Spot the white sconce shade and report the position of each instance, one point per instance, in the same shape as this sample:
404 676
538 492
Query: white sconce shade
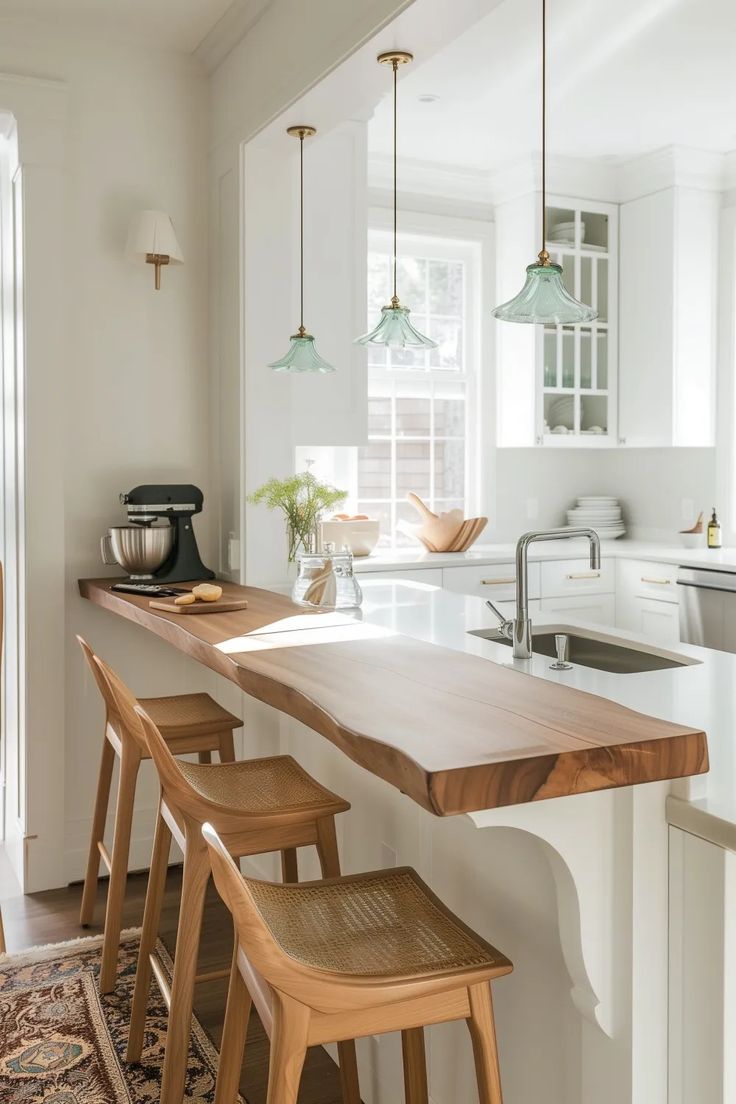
151 238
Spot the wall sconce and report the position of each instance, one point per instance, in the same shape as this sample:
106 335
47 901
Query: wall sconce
151 238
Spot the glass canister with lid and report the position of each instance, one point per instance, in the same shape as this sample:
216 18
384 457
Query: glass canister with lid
326 580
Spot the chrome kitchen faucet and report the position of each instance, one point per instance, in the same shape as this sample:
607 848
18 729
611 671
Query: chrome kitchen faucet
519 630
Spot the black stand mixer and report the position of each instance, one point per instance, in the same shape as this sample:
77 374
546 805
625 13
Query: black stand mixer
178 503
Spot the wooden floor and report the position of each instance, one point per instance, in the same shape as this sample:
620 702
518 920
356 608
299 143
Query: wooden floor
53 916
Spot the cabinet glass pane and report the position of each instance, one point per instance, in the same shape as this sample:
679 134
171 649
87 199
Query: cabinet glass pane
596 229
550 358
602 303
586 359
602 366
594 414
568 273
586 280
560 225
559 413
568 358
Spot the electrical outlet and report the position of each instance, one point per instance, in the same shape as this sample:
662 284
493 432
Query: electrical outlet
532 509
233 552
687 510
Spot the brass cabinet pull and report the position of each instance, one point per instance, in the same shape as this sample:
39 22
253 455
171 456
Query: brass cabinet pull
656 582
497 582
584 575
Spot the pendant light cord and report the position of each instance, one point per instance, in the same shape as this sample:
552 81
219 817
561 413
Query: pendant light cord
302 331
395 299
544 255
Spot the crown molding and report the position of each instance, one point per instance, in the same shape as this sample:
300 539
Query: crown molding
428 178
602 179
671 167
228 32
461 209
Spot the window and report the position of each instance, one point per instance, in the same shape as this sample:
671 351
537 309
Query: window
420 402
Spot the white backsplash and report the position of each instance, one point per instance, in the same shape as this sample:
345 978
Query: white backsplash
534 487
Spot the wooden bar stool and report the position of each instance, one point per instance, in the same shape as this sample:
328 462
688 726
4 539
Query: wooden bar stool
258 806
347 957
188 723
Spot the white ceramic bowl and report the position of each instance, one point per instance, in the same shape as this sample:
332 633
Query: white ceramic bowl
361 536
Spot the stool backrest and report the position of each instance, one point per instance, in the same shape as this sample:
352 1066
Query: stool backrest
125 726
178 791
254 935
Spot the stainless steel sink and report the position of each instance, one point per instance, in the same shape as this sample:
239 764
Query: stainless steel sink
596 652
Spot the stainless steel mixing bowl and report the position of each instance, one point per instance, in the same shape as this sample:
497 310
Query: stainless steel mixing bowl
138 549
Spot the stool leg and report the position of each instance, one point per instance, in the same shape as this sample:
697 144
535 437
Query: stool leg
483 1033
288 1050
233 1036
205 756
129 763
193 890
149 933
289 865
3 948
415 1066
102 800
329 858
227 746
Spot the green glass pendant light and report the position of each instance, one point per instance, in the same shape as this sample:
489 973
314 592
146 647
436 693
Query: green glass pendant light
544 298
302 355
395 330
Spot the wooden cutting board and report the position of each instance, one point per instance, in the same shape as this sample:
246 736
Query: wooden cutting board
222 605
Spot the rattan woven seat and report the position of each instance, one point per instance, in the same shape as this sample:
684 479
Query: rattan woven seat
190 723
382 924
258 806
189 714
347 957
261 786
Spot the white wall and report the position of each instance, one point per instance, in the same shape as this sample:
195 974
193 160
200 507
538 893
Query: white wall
130 386
651 483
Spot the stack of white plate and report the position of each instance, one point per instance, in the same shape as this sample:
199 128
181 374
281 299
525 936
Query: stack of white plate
599 512
563 233
562 412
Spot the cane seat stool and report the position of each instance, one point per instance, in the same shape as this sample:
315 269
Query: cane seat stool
346 957
258 806
189 723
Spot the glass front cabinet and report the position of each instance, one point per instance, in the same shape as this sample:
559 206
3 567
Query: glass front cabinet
557 384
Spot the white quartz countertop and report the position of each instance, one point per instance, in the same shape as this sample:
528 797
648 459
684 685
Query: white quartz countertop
701 694
480 554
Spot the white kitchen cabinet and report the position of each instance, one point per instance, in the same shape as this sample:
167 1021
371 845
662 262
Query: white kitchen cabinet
667 318
647 600
598 608
494 581
559 377
573 577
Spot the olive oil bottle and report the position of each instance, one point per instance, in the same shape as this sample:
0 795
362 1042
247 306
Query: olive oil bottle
714 531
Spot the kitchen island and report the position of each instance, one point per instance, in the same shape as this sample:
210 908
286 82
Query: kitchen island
576 887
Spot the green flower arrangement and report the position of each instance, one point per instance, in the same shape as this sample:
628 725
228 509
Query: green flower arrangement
302 498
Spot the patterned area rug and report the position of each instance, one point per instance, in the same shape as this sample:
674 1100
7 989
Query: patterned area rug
62 1043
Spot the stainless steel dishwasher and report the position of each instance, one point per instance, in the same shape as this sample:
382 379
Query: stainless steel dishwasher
708 607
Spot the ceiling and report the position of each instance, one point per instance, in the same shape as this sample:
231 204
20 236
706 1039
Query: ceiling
624 78
166 24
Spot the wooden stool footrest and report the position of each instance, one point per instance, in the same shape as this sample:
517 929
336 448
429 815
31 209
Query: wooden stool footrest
161 979
104 855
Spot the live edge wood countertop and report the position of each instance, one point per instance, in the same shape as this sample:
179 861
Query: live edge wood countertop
455 732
